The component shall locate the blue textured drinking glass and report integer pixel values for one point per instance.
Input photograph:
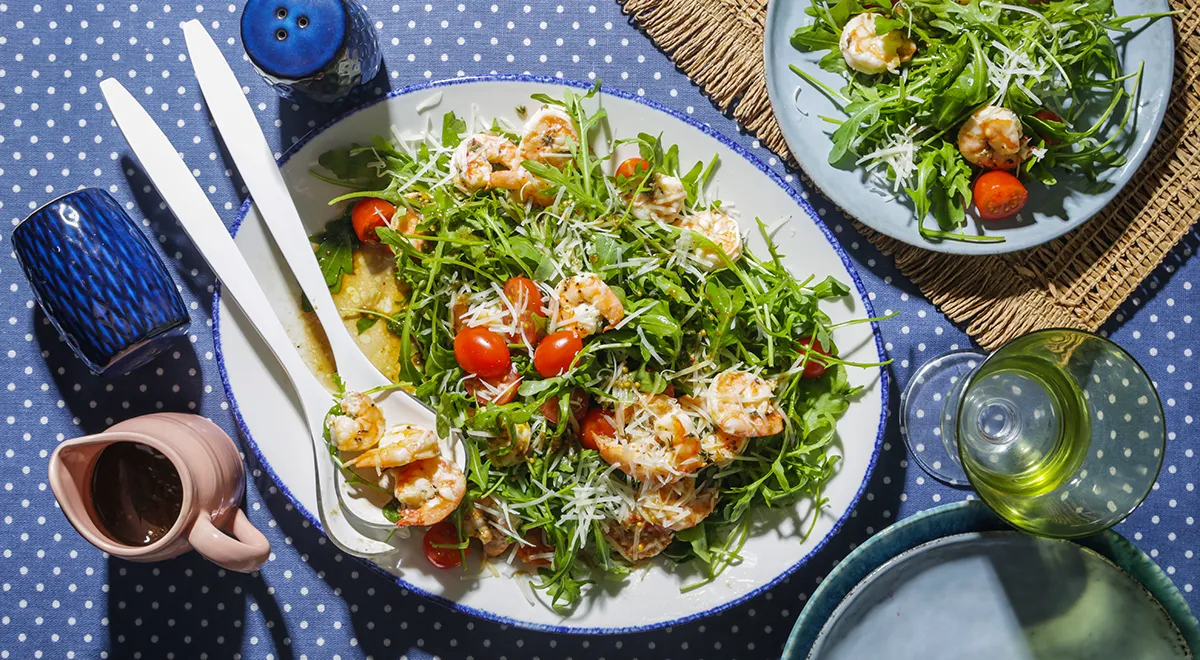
(99, 281)
(321, 49)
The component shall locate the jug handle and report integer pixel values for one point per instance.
(246, 551)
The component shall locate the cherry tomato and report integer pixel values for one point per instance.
(577, 407)
(596, 424)
(368, 215)
(482, 352)
(499, 390)
(815, 367)
(554, 354)
(522, 290)
(534, 554)
(443, 533)
(519, 289)
(999, 195)
(632, 167)
(1048, 115)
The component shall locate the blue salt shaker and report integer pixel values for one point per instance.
(99, 281)
(320, 49)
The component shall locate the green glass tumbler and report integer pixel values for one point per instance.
(1060, 431)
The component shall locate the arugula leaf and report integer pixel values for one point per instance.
(391, 511)
(657, 322)
(335, 251)
(883, 25)
(452, 130)
(830, 288)
(355, 164)
(365, 323)
(814, 37)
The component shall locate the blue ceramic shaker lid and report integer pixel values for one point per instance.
(293, 39)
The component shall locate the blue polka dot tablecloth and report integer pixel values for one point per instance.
(61, 598)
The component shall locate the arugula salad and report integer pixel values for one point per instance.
(628, 378)
(961, 102)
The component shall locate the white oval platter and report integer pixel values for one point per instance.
(269, 416)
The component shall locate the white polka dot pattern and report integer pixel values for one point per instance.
(63, 598)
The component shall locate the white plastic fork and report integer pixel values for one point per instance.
(200, 220)
(256, 164)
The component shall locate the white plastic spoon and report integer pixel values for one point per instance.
(256, 164)
(191, 206)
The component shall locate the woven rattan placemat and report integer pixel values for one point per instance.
(1074, 281)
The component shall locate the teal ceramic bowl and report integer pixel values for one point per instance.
(1050, 213)
(964, 518)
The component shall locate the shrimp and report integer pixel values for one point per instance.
(741, 404)
(653, 444)
(635, 538)
(548, 137)
(428, 491)
(868, 52)
(408, 222)
(720, 448)
(480, 523)
(524, 186)
(582, 301)
(360, 424)
(400, 445)
(718, 227)
(477, 159)
(993, 138)
(677, 506)
(537, 552)
(511, 448)
(662, 202)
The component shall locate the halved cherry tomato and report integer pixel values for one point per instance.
(499, 390)
(596, 424)
(482, 352)
(815, 367)
(999, 195)
(522, 290)
(443, 533)
(554, 354)
(576, 408)
(535, 553)
(368, 215)
(632, 167)
(1048, 115)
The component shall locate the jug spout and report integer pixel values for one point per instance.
(71, 467)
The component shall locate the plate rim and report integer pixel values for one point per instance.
(968, 516)
(727, 142)
(778, 107)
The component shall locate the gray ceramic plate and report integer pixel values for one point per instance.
(1050, 212)
(1004, 596)
(965, 518)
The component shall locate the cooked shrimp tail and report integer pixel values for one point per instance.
(428, 491)
(582, 301)
(358, 426)
(400, 445)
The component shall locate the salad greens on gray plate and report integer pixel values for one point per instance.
(959, 105)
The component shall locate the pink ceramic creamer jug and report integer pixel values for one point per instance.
(210, 483)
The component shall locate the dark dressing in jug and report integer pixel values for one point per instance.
(137, 493)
